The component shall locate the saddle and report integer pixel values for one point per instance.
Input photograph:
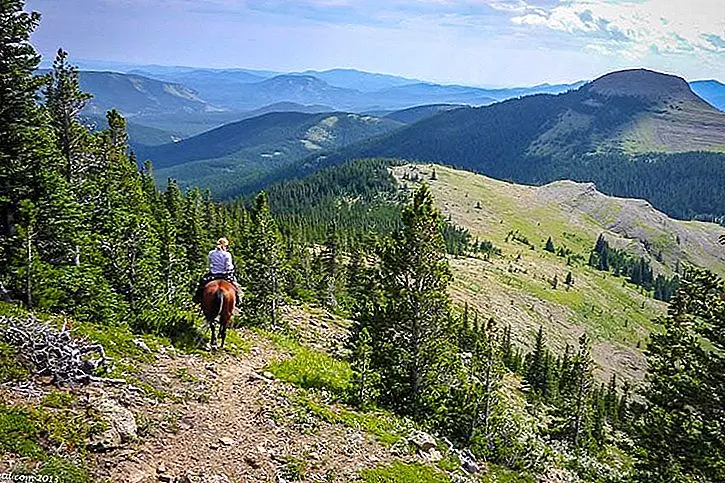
(209, 277)
(229, 277)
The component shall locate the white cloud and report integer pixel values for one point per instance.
(636, 27)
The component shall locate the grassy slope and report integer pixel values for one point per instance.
(515, 287)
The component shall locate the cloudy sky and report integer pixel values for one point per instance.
(477, 42)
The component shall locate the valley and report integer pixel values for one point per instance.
(459, 281)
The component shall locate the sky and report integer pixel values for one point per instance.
(473, 42)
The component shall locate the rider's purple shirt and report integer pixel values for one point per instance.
(220, 261)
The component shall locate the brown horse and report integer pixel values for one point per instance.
(218, 299)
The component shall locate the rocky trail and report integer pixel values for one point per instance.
(231, 421)
(199, 417)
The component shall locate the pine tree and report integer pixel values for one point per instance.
(365, 381)
(582, 379)
(535, 374)
(681, 426)
(264, 267)
(331, 267)
(549, 247)
(65, 100)
(407, 316)
(20, 118)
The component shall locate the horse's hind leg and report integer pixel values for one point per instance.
(213, 333)
(223, 331)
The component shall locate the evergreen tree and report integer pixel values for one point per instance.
(581, 384)
(264, 268)
(65, 100)
(20, 118)
(681, 429)
(365, 381)
(536, 370)
(549, 247)
(330, 266)
(407, 317)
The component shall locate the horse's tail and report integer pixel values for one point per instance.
(218, 304)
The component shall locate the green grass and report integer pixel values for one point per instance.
(312, 369)
(37, 433)
(309, 368)
(294, 468)
(20, 433)
(499, 474)
(387, 428)
(58, 400)
(400, 472)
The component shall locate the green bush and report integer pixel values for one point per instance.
(10, 368)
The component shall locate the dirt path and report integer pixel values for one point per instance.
(224, 421)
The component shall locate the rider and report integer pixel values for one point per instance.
(220, 267)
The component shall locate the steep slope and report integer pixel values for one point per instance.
(237, 154)
(133, 94)
(516, 286)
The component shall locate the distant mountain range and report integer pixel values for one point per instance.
(135, 95)
(629, 111)
(245, 90)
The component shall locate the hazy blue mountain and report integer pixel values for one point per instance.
(133, 95)
(240, 153)
(712, 91)
(222, 88)
(511, 92)
(412, 95)
(192, 123)
(139, 135)
(298, 89)
(359, 80)
(417, 113)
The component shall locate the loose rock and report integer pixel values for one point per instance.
(121, 428)
(422, 440)
(226, 441)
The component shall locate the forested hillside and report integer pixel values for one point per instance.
(242, 153)
(595, 133)
(352, 346)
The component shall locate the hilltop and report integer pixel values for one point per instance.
(134, 95)
(633, 133)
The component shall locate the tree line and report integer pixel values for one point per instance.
(637, 270)
(85, 232)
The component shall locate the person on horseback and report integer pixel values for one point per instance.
(221, 266)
